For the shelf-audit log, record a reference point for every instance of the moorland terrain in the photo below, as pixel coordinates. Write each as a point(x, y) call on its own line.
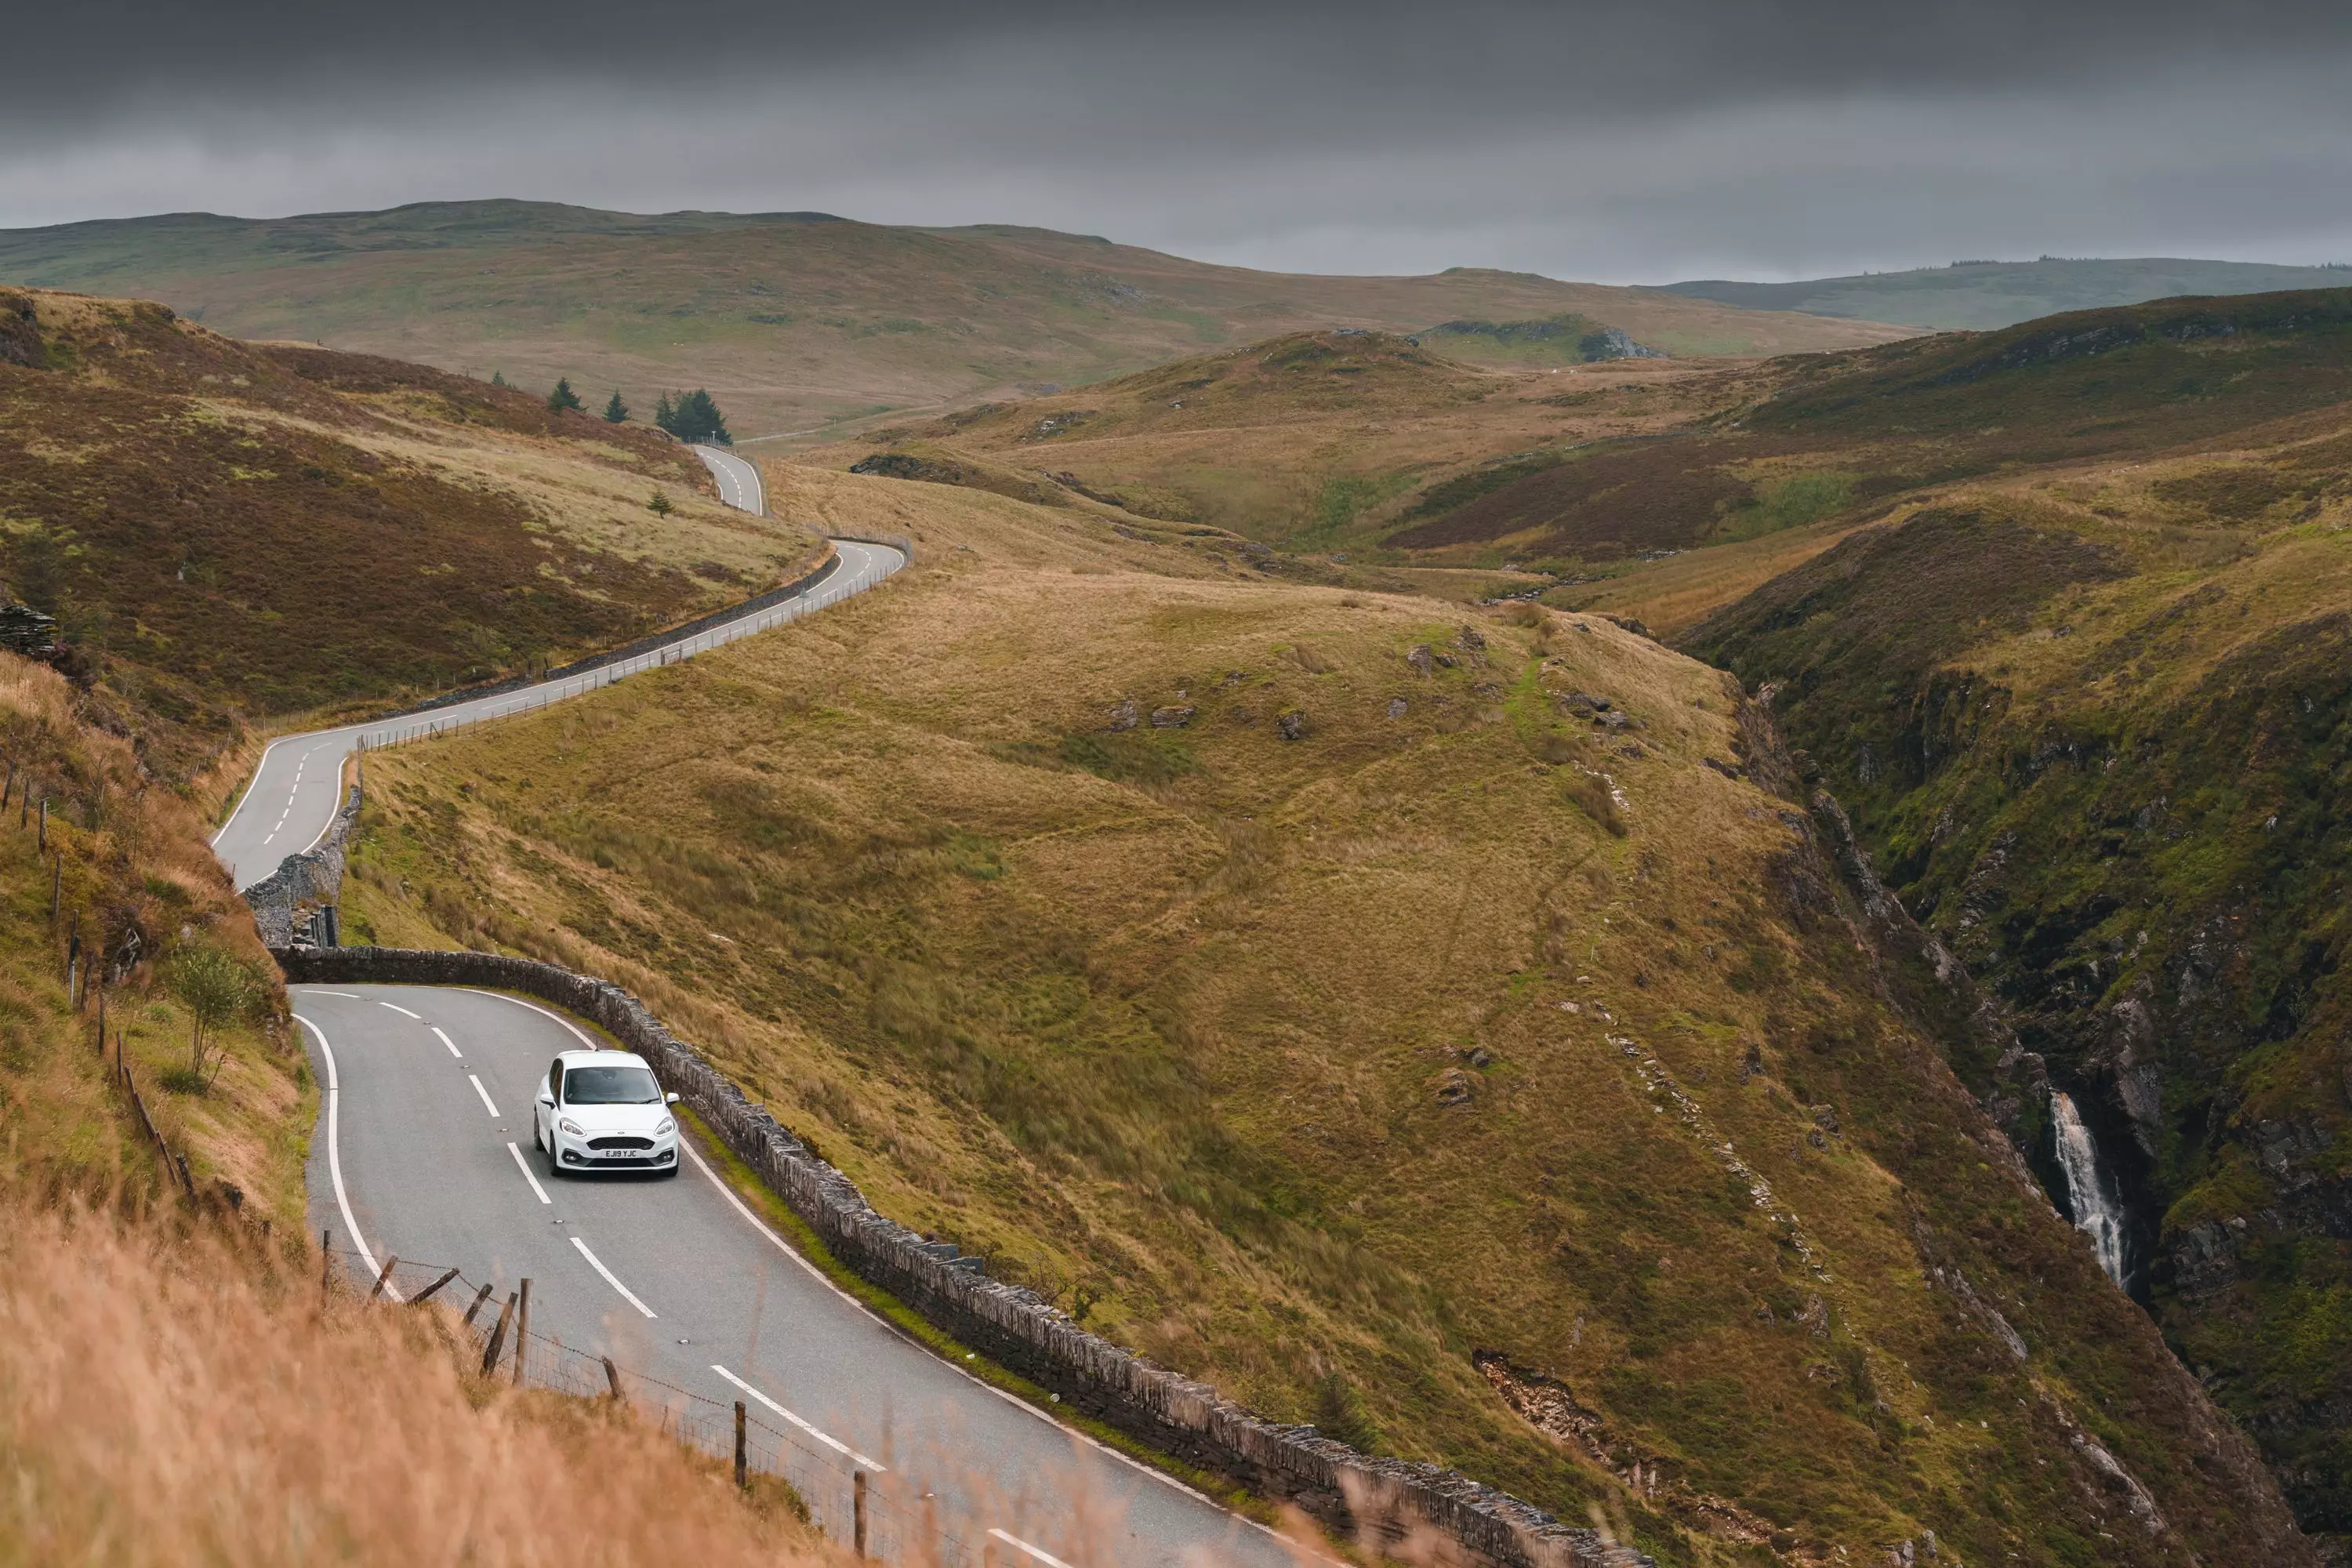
point(1982, 296)
point(802, 322)
point(1470, 1026)
point(2055, 612)
point(1310, 985)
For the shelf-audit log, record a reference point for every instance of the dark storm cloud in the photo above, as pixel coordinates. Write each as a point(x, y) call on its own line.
point(1621, 140)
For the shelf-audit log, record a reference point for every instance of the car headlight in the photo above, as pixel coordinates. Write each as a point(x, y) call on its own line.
point(667, 1126)
point(570, 1126)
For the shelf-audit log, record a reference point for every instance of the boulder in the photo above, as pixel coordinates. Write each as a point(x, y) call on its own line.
point(1291, 725)
point(1124, 716)
point(1171, 717)
point(1397, 710)
point(1453, 1086)
point(1422, 660)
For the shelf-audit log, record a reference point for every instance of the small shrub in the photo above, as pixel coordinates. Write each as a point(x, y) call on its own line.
point(1591, 793)
point(218, 991)
point(660, 504)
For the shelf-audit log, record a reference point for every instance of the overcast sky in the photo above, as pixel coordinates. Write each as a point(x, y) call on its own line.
point(1622, 141)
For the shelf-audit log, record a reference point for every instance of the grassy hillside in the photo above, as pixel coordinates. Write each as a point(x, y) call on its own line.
point(172, 1388)
point(230, 532)
point(1984, 295)
point(1311, 441)
point(2090, 716)
point(794, 319)
point(1306, 989)
point(1825, 441)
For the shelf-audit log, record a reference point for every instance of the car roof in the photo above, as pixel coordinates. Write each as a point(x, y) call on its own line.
point(602, 1059)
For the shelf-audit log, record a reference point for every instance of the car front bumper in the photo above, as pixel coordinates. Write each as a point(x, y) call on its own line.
point(574, 1154)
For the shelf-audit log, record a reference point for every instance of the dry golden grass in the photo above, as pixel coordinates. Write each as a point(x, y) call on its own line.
point(128, 856)
point(166, 1400)
point(1670, 596)
point(1349, 1054)
point(1317, 441)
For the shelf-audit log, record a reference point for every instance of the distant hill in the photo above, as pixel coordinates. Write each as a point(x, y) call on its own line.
point(1982, 296)
point(794, 321)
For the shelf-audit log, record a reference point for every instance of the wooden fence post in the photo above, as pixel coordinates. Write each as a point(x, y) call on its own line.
point(57, 878)
point(426, 1294)
point(480, 1297)
point(742, 1467)
point(326, 1260)
point(613, 1378)
point(383, 1278)
point(857, 1511)
point(497, 1337)
point(522, 1332)
point(44, 845)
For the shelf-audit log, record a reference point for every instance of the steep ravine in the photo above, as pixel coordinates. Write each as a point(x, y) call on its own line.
point(2116, 794)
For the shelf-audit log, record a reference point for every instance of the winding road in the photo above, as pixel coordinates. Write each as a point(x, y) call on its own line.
point(425, 1152)
point(297, 788)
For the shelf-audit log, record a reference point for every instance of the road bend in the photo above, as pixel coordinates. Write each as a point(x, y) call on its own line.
point(429, 1151)
point(297, 787)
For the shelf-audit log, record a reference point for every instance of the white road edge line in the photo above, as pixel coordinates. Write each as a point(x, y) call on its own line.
point(246, 797)
point(350, 996)
point(577, 1032)
point(1015, 1400)
point(447, 1041)
point(1039, 1553)
point(786, 1247)
point(485, 1093)
point(598, 1264)
point(524, 1166)
point(335, 1157)
point(835, 1444)
point(401, 1010)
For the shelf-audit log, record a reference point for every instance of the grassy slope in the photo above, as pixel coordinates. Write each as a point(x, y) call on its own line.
point(1312, 441)
point(1985, 295)
point(1277, 1059)
point(230, 532)
point(170, 1389)
point(792, 321)
point(2091, 718)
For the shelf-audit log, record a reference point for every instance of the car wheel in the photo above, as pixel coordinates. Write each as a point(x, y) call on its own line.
point(534, 1136)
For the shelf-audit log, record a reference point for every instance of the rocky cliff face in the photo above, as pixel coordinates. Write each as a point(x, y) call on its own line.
point(2132, 836)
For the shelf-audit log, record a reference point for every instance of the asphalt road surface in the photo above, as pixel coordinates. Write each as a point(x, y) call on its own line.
point(425, 1152)
point(297, 788)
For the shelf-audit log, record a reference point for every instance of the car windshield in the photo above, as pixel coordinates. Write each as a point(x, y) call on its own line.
point(611, 1086)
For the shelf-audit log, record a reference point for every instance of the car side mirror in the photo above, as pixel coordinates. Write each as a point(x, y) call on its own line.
point(669, 1100)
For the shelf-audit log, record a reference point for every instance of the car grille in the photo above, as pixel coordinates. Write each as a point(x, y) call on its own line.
point(620, 1142)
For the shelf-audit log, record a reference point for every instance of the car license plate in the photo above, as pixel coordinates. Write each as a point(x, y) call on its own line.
point(625, 1154)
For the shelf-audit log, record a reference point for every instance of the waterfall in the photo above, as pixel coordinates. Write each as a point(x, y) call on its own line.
point(2098, 1212)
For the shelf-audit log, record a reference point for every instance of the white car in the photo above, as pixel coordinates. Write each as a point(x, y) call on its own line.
point(604, 1110)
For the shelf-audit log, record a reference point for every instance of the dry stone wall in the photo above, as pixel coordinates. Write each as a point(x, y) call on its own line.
point(313, 877)
point(1387, 1498)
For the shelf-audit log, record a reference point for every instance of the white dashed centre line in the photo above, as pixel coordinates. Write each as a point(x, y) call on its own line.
point(447, 1041)
point(397, 1008)
point(598, 1264)
point(486, 1097)
point(524, 1166)
point(827, 1439)
point(1040, 1554)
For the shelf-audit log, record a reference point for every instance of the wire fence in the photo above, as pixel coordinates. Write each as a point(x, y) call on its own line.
point(843, 1499)
point(421, 727)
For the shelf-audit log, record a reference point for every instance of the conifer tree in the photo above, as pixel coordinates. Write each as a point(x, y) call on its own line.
point(617, 412)
point(563, 398)
point(696, 418)
point(497, 379)
point(666, 415)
